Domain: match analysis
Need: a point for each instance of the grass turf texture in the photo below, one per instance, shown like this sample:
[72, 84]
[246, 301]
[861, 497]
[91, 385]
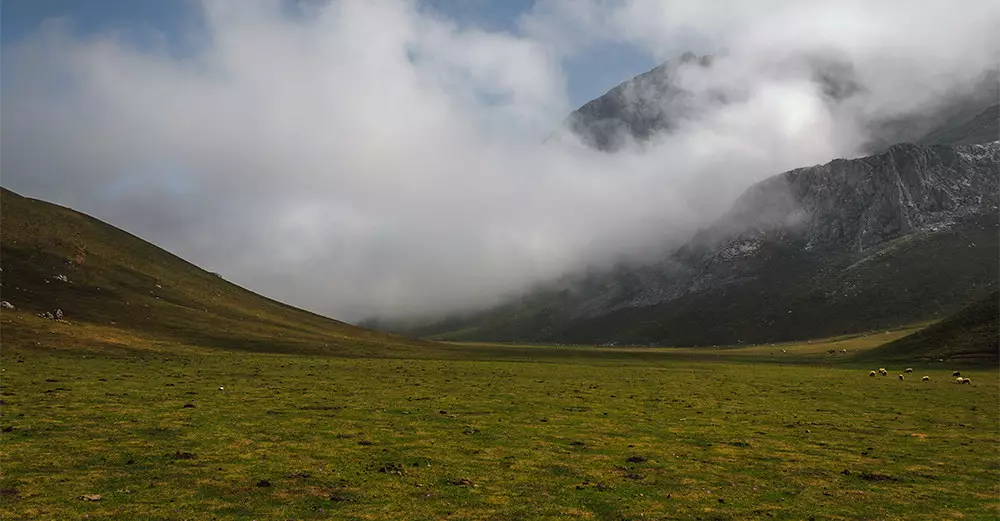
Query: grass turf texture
[492, 432]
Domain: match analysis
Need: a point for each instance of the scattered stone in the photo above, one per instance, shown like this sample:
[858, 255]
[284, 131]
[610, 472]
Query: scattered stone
[188, 406]
[391, 468]
[263, 483]
[91, 497]
[6, 305]
[365, 443]
[846, 472]
[9, 491]
[300, 475]
[58, 314]
[62, 278]
[874, 476]
[464, 482]
[46, 315]
[183, 455]
[637, 459]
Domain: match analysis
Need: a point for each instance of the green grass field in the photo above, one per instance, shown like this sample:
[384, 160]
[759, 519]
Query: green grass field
[493, 432]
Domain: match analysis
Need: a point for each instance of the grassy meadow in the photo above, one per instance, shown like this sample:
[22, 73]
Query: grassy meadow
[796, 431]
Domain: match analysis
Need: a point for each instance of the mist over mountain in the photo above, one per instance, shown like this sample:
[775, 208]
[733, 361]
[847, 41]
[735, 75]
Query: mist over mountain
[905, 235]
[382, 159]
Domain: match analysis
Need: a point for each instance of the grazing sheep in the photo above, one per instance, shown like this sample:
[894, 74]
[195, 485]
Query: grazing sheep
[926, 379]
[908, 370]
[960, 380]
[871, 373]
[956, 373]
[883, 372]
[966, 381]
[900, 377]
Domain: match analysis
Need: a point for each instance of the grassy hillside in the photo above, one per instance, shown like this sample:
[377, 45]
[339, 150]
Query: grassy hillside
[118, 290]
[981, 128]
[972, 334]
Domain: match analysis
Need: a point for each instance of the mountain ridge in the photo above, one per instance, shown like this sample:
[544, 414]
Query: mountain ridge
[814, 238]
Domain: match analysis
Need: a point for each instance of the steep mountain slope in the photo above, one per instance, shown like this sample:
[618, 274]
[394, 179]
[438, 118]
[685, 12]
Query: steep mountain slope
[111, 285]
[658, 100]
[894, 238]
[981, 128]
[971, 335]
[646, 105]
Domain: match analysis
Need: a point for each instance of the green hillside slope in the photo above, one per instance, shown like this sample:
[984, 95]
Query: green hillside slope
[972, 334]
[116, 289]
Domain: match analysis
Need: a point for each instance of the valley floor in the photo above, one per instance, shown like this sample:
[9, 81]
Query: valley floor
[518, 433]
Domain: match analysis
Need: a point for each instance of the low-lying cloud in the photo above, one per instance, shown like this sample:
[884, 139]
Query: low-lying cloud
[369, 158]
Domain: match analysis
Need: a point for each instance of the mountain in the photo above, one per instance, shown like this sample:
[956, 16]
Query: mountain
[116, 290]
[658, 100]
[971, 335]
[640, 108]
[906, 234]
[880, 241]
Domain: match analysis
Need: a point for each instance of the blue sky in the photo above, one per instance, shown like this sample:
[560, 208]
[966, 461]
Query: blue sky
[588, 74]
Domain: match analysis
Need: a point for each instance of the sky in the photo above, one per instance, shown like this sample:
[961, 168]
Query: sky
[179, 21]
[385, 158]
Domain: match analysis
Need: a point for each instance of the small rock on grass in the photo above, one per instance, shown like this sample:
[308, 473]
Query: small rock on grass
[90, 497]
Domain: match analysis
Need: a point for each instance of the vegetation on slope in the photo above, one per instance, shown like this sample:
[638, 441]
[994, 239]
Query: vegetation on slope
[783, 293]
[972, 334]
[116, 289]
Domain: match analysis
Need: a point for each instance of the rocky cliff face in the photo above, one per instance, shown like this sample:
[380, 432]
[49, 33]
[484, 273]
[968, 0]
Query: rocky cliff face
[861, 203]
[850, 245]
[845, 207]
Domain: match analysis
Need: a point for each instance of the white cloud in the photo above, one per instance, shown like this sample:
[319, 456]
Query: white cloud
[372, 157]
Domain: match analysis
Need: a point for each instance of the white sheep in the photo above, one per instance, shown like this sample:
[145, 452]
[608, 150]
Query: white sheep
[900, 377]
[966, 381]
[871, 373]
[908, 370]
[926, 379]
[959, 380]
[956, 373]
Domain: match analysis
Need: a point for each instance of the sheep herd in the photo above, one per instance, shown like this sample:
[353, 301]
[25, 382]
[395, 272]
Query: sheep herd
[883, 372]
